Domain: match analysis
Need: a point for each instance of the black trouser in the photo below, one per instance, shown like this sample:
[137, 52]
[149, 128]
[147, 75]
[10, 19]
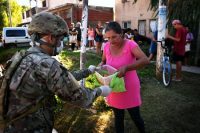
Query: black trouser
[135, 116]
[73, 45]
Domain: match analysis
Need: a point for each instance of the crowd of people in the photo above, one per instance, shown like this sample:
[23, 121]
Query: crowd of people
[95, 36]
[181, 43]
[51, 78]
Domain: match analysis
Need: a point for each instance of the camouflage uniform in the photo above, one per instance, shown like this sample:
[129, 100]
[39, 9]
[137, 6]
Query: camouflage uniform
[33, 86]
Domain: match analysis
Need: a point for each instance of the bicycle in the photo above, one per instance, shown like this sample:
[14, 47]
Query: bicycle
[166, 65]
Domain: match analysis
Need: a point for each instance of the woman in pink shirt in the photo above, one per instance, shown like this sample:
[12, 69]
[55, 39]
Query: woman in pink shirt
[122, 54]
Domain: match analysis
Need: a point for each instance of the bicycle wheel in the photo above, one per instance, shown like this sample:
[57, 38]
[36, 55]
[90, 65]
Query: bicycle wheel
[166, 73]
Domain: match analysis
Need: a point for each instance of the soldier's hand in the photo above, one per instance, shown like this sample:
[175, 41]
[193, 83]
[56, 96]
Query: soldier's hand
[92, 68]
[105, 90]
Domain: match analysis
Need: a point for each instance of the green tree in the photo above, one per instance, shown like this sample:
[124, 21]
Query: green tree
[16, 13]
[3, 15]
[188, 12]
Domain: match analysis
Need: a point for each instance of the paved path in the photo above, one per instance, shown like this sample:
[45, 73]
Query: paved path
[192, 69]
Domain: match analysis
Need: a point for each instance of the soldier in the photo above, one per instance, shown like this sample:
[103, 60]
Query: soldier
[39, 77]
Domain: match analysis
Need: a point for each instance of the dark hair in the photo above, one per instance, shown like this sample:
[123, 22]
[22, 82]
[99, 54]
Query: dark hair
[135, 30]
[114, 26]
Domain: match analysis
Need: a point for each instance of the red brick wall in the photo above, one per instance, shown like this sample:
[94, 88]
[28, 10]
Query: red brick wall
[102, 16]
[93, 15]
[77, 14]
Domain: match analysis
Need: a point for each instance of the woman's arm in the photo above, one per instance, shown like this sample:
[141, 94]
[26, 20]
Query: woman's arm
[98, 32]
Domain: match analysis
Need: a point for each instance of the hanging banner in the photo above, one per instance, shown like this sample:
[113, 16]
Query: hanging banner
[162, 22]
[84, 26]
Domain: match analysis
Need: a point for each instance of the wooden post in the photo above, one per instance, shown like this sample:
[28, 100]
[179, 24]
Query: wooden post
[161, 35]
[84, 22]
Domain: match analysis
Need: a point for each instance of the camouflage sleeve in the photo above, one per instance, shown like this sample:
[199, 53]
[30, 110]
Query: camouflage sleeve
[65, 86]
[80, 74]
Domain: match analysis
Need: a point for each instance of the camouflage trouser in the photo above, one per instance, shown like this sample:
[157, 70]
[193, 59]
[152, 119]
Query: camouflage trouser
[34, 123]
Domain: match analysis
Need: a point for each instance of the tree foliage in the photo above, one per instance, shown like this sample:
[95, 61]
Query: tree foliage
[187, 11]
[3, 20]
[16, 13]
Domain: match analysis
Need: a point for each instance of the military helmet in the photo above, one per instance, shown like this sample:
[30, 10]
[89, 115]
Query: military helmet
[47, 23]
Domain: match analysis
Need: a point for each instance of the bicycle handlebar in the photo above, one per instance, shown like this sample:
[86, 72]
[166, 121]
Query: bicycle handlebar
[162, 44]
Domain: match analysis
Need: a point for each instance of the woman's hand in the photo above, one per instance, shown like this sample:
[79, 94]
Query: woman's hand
[122, 72]
[101, 64]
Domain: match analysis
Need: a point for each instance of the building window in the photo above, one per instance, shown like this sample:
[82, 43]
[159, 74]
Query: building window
[44, 3]
[33, 10]
[23, 15]
[27, 13]
[142, 27]
[126, 24]
[153, 25]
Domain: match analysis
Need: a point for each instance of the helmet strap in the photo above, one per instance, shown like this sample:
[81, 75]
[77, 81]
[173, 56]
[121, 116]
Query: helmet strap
[37, 39]
[42, 42]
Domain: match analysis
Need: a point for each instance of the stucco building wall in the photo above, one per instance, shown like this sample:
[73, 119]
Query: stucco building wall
[129, 12]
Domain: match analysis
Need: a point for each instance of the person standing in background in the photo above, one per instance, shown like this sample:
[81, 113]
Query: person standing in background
[105, 39]
[189, 39]
[78, 29]
[72, 36]
[137, 37]
[153, 46]
[128, 34]
[91, 36]
[179, 47]
[98, 37]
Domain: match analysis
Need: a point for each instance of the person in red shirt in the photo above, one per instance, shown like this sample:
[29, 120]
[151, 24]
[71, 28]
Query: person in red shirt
[179, 47]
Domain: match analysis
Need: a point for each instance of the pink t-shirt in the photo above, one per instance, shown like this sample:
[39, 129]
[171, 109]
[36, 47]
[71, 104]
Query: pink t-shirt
[130, 98]
[91, 33]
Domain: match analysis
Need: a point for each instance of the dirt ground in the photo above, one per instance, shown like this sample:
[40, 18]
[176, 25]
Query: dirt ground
[165, 110]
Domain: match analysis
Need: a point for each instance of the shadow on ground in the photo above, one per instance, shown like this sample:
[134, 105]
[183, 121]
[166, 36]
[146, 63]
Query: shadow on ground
[165, 110]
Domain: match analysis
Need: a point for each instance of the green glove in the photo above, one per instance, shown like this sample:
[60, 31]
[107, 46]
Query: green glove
[117, 84]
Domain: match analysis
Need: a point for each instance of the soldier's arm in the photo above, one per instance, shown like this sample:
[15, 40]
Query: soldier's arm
[65, 86]
[80, 74]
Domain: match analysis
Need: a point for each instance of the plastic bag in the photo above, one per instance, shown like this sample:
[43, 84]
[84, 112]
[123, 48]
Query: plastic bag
[105, 74]
[72, 38]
